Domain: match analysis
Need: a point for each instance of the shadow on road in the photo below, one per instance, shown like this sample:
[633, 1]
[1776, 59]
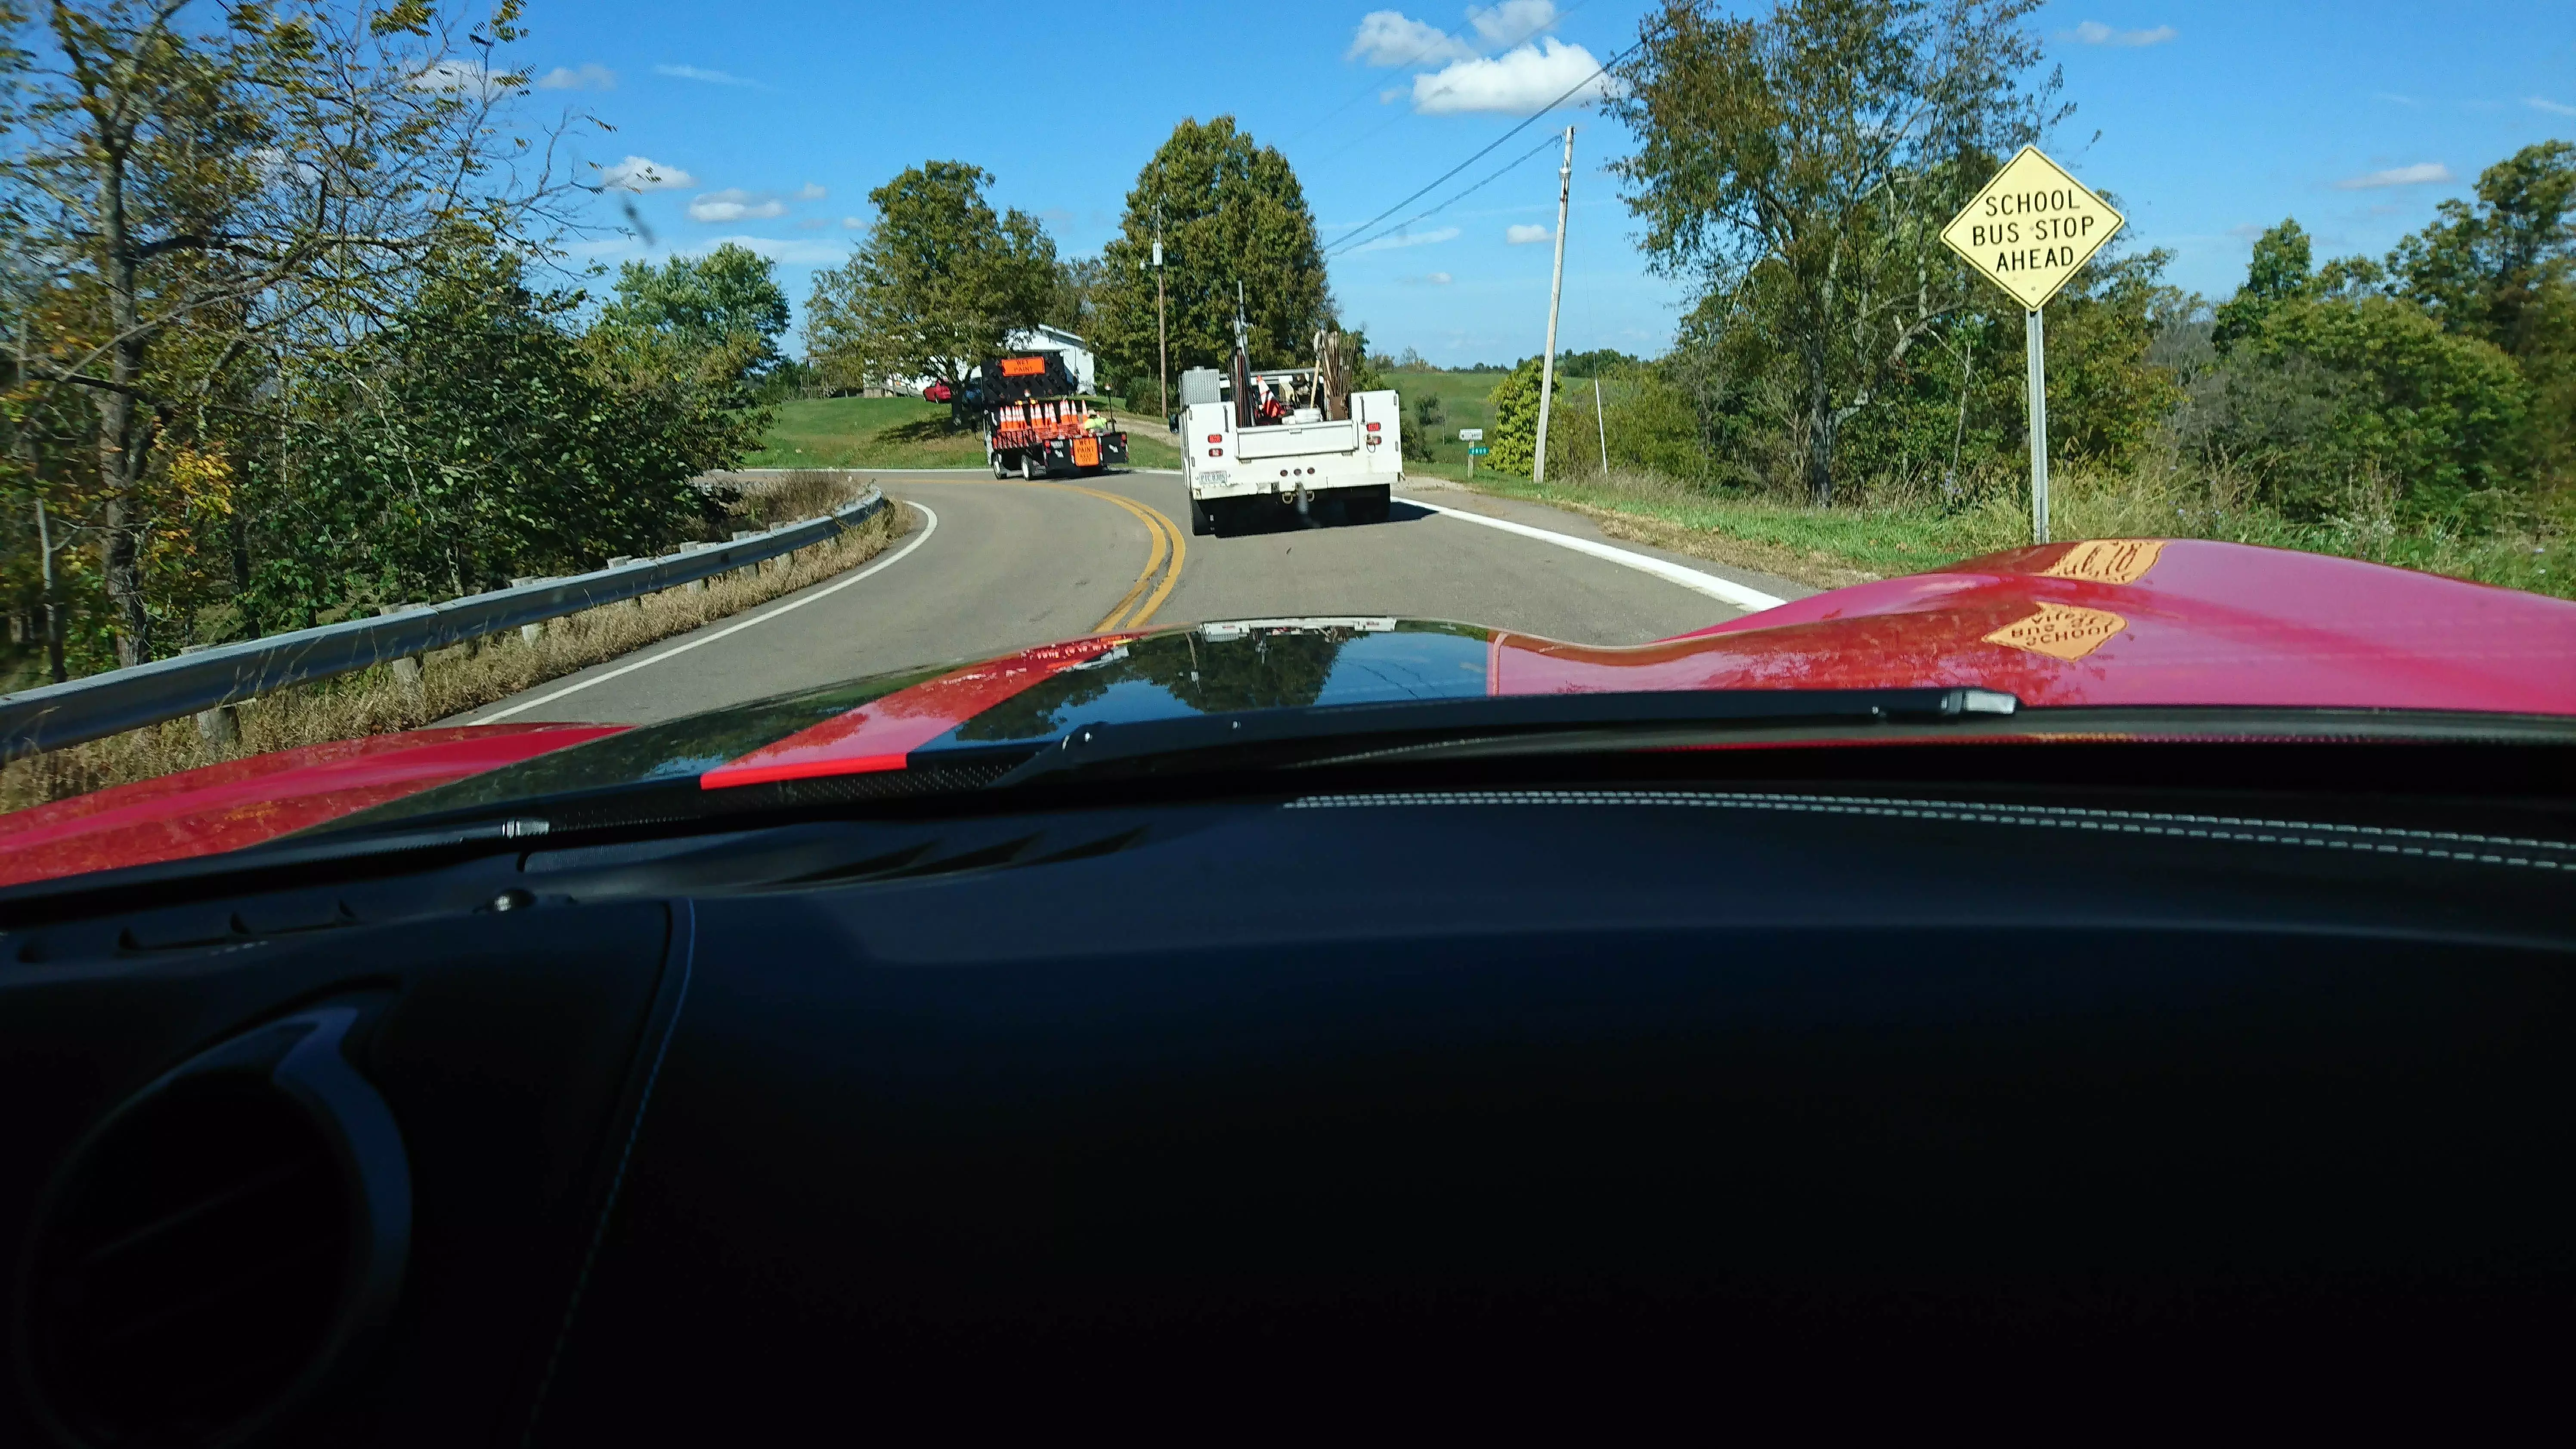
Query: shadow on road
[1323, 513]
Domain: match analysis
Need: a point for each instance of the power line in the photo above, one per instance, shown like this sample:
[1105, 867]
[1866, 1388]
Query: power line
[1508, 166]
[1495, 144]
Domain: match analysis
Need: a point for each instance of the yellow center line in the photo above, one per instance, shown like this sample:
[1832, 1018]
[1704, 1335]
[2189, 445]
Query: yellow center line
[1157, 551]
[1164, 541]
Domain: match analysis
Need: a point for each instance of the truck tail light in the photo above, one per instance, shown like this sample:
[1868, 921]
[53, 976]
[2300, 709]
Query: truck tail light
[1216, 437]
[1216, 452]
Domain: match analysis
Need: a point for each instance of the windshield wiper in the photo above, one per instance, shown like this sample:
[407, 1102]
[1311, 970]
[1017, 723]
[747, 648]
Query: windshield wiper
[1286, 736]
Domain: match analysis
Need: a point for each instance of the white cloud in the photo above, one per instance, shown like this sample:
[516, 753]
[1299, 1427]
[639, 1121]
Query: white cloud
[1390, 37]
[811, 191]
[852, 223]
[1521, 236]
[1436, 279]
[582, 78]
[1517, 82]
[735, 204]
[455, 75]
[809, 252]
[2395, 99]
[2555, 108]
[1416, 239]
[1512, 22]
[637, 174]
[2094, 32]
[813, 223]
[711, 77]
[2422, 173]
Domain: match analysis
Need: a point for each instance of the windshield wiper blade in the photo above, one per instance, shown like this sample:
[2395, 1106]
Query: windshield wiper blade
[1197, 739]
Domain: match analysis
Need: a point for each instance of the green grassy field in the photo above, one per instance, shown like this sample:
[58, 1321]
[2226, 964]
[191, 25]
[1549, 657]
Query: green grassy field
[1466, 401]
[1828, 548]
[895, 432]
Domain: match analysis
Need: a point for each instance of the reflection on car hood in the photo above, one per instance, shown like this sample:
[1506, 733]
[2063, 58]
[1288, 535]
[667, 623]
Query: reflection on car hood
[2121, 622]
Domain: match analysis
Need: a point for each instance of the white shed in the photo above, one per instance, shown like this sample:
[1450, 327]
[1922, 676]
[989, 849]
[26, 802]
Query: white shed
[1077, 353]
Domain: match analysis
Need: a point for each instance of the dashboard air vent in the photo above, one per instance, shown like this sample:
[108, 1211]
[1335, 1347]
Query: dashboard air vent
[216, 1245]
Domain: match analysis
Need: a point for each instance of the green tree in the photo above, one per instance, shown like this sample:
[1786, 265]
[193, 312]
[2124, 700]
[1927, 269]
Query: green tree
[1513, 433]
[2282, 271]
[2335, 392]
[1232, 214]
[475, 439]
[204, 191]
[2504, 270]
[1802, 163]
[1075, 305]
[2487, 269]
[726, 301]
[941, 281]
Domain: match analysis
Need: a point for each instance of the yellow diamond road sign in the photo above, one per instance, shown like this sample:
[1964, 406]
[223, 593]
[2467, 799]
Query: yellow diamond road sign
[2031, 228]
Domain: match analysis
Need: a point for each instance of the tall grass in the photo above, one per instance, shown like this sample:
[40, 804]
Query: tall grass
[1898, 529]
[476, 673]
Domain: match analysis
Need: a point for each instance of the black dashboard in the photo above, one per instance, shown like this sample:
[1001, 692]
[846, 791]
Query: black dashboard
[1448, 1107]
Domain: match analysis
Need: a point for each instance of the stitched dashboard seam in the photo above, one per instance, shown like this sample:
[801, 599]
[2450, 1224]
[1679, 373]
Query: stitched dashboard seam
[2365, 839]
[617, 1179]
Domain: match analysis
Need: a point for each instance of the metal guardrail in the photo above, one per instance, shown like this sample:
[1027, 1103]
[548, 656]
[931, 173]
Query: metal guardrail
[54, 715]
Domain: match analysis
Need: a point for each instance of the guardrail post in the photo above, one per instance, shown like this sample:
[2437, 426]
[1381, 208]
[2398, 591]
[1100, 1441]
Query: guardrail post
[530, 633]
[619, 561]
[753, 571]
[407, 666]
[219, 726]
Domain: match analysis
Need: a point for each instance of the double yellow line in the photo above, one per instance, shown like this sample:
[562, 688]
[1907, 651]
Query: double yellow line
[1165, 545]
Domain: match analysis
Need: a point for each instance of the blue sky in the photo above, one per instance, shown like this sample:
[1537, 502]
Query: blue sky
[769, 121]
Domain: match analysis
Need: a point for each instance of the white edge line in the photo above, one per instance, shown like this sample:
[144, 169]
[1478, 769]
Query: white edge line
[1751, 601]
[790, 606]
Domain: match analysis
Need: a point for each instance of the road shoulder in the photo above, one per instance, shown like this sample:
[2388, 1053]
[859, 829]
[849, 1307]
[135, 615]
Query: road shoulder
[1592, 529]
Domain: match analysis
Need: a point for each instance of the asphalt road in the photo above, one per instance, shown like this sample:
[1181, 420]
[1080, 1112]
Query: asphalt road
[996, 566]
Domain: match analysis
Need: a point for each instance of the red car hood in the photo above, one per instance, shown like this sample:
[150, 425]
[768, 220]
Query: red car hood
[243, 802]
[2119, 622]
[2125, 622]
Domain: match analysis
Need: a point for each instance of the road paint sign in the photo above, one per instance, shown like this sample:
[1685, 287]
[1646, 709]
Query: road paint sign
[2032, 228]
[2061, 631]
[1471, 435]
[2107, 560]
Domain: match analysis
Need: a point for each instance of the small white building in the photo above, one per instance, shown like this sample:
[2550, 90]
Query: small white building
[1077, 353]
[1041, 338]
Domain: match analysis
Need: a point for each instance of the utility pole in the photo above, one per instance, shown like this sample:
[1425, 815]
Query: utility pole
[2037, 334]
[1162, 339]
[1555, 291]
[1601, 422]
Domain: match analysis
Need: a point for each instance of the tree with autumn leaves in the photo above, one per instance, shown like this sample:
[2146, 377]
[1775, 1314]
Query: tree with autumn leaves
[263, 269]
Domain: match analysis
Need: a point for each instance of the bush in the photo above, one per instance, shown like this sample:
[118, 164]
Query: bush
[2330, 392]
[1428, 418]
[1513, 433]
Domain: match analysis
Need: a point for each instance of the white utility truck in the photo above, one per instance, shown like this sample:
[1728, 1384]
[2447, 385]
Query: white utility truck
[1258, 444]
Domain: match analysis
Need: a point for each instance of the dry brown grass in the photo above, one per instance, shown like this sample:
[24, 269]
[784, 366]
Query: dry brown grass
[472, 674]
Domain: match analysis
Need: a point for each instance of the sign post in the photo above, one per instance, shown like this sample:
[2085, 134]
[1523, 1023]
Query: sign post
[2029, 231]
[1471, 437]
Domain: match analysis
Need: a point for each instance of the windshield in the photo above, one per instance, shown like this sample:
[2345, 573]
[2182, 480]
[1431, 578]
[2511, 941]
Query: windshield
[420, 409]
